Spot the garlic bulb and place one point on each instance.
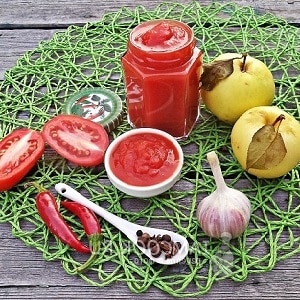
(226, 212)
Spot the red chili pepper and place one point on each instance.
(48, 210)
(91, 227)
(87, 217)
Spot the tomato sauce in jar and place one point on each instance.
(162, 68)
(144, 159)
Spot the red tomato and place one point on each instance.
(79, 140)
(19, 152)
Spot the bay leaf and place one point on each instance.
(214, 72)
(266, 150)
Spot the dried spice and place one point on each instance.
(216, 71)
(267, 148)
(158, 244)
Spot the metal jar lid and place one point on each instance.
(96, 104)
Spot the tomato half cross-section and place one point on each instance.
(81, 141)
(19, 152)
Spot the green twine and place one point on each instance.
(35, 89)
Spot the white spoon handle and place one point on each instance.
(68, 192)
(128, 228)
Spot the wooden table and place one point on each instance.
(24, 273)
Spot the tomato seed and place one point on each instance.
(95, 138)
(54, 134)
(32, 147)
(33, 143)
(8, 169)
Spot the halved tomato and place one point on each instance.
(19, 152)
(79, 140)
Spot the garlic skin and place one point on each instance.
(226, 212)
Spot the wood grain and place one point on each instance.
(45, 14)
(24, 272)
(24, 23)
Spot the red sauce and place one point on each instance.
(144, 159)
(161, 37)
(162, 69)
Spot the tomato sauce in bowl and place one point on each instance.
(144, 162)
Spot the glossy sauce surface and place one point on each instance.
(144, 159)
(163, 36)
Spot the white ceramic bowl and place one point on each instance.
(141, 190)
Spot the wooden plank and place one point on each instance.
(25, 275)
(37, 21)
(24, 272)
(19, 13)
(14, 43)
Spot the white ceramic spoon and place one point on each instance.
(128, 228)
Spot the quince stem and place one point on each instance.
(244, 56)
(279, 119)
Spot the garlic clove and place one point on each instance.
(226, 212)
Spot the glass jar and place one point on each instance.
(162, 68)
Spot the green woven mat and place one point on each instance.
(35, 89)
